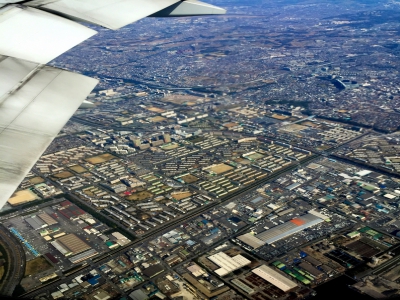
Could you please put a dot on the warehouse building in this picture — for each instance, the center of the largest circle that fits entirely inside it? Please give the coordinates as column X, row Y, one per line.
column 282, row 231
column 35, row 222
column 228, row 264
column 250, row 240
column 247, row 289
column 70, row 245
column 83, row 256
column 286, row 229
column 275, row 278
column 47, row 219
column 70, row 210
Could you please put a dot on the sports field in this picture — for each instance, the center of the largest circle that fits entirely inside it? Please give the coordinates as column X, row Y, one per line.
column 189, row 178
column 100, row 158
column 139, row 196
column 157, row 119
column 219, row 169
column 22, row 197
column 78, row 169
column 36, row 180
column 181, row 195
column 63, row 175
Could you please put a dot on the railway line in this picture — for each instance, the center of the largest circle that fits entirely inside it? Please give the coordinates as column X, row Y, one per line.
column 105, row 257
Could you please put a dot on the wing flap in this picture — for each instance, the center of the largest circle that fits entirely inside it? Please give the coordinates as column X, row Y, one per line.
column 32, row 113
column 38, row 36
column 111, row 14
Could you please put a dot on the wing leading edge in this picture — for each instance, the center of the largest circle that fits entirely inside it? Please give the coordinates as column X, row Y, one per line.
column 36, row 100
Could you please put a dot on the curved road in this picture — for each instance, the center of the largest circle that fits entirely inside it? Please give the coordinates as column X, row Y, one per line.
column 15, row 260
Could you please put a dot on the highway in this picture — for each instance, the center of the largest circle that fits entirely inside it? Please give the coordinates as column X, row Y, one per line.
column 96, row 262
column 15, row 261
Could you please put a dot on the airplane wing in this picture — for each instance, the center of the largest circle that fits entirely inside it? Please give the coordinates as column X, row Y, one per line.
column 37, row 100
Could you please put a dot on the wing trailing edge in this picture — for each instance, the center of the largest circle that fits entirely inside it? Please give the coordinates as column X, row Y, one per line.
column 115, row 14
column 189, row 8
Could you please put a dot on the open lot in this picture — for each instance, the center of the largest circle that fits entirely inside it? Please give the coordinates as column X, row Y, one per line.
column 139, row 196
column 181, row 99
column 63, row 175
column 36, row 180
column 155, row 109
column 181, row 195
column 36, row 265
column 157, row 119
column 22, row 197
column 189, row 178
column 100, row 158
column 220, row 168
column 294, row 128
column 78, row 169
column 279, row 117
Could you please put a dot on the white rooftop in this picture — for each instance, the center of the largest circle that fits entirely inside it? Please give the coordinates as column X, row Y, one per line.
column 275, row 278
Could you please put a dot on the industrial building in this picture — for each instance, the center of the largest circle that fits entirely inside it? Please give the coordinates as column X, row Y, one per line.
column 228, row 264
column 286, row 229
column 275, row 278
column 70, row 244
column 70, row 210
column 83, row 256
column 47, row 219
column 283, row 230
column 35, row 222
column 250, row 240
column 243, row 286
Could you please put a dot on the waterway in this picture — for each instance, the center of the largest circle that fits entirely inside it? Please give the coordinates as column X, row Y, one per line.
column 338, row 289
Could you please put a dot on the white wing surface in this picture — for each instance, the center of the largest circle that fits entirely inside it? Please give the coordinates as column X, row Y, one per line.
column 111, row 14
column 35, row 35
column 37, row 100
column 189, row 8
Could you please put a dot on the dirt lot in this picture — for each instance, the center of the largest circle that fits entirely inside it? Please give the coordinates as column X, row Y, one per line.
column 221, row 168
column 279, row 117
column 22, row 197
column 155, row 109
column 157, row 119
column 63, row 175
column 181, row 195
column 189, row 178
column 181, row 99
column 36, row 180
column 139, row 196
column 294, row 128
column 78, row 169
column 36, row 265
column 309, row 123
column 100, row 158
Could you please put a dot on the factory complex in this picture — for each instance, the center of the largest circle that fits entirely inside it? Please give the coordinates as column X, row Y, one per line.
column 284, row 230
